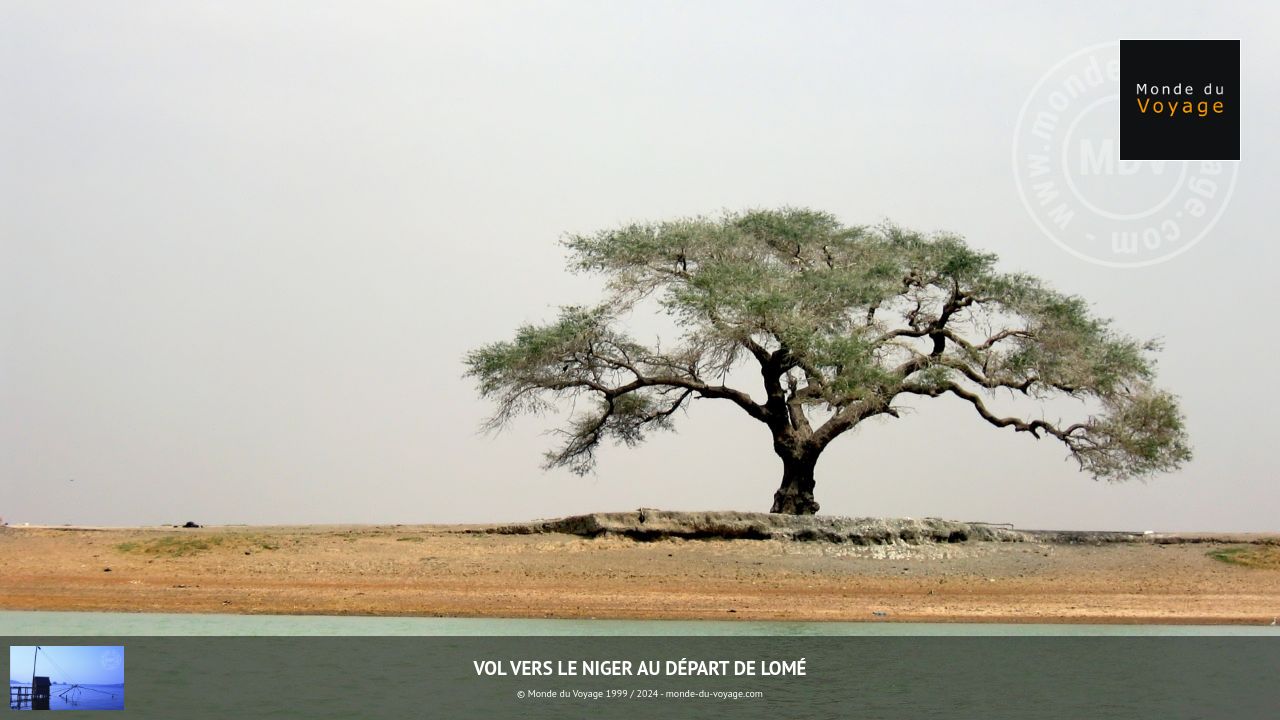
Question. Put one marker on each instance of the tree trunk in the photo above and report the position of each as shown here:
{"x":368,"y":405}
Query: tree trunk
{"x":795,"y":496}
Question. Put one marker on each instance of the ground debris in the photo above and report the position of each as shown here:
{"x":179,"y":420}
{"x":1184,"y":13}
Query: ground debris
{"x":647,"y":524}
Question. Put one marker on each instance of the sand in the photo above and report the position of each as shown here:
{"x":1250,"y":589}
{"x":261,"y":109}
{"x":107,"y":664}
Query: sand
{"x":446,"y":571}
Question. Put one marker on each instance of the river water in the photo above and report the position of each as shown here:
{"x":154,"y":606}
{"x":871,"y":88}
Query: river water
{"x":324,"y":667}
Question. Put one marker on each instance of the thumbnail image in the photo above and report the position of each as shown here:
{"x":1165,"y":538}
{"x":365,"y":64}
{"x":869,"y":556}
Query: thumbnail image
{"x":66,"y":677}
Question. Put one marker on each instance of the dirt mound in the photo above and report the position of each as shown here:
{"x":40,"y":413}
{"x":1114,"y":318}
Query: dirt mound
{"x":646,"y":524}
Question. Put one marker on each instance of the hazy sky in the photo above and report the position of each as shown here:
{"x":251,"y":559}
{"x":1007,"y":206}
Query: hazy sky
{"x":245,"y":246}
{"x":75,"y":664}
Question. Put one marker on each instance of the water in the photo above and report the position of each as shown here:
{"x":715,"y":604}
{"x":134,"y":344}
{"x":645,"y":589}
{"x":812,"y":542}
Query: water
{"x":397,"y":667}
{"x":44,"y":624}
{"x":84,"y":697}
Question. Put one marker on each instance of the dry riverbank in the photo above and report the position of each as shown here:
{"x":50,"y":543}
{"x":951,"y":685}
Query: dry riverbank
{"x":448,"y":571}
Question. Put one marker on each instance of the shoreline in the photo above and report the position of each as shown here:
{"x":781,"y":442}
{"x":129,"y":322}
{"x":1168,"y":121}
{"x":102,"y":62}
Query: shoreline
{"x":1185,"y":621}
{"x":467,"y":572}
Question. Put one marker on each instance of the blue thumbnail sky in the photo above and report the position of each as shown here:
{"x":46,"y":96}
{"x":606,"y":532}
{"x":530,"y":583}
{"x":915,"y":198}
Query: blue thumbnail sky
{"x":76,"y":664}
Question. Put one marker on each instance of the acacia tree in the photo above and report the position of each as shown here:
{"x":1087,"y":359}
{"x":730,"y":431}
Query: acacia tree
{"x":842,"y":323}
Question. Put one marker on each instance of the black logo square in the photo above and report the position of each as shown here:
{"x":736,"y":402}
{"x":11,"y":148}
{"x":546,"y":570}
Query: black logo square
{"x":1180,"y":99}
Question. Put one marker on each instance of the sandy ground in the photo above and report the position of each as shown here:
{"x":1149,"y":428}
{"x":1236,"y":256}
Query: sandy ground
{"x":441,"y":571}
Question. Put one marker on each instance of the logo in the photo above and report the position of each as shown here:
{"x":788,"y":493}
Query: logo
{"x":1097,"y":204}
{"x":112,"y":657}
{"x":1180,"y":99}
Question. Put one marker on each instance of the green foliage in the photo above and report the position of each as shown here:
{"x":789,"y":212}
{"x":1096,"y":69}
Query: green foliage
{"x":841,"y":321}
{"x":172,"y":545}
{"x":182,"y":545}
{"x":625,"y":418}
{"x":1250,"y":556}
{"x":1141,"y":433}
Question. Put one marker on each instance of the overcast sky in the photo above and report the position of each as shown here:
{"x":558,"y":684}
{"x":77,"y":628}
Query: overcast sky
{"x":245,"y":246}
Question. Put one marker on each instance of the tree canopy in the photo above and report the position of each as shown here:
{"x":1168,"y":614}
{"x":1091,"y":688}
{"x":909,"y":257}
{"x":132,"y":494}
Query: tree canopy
{"x":842,"y":322}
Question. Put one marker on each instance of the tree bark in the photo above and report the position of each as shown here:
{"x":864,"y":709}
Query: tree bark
{"x":795,"y":496}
